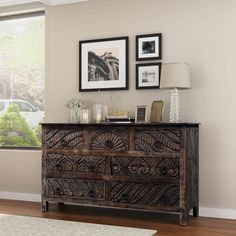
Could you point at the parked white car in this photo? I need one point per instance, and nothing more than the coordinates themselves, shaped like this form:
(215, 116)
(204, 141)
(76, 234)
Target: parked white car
(32, 115)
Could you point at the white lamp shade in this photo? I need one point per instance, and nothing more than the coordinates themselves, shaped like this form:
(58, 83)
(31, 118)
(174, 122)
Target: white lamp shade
(175, 75)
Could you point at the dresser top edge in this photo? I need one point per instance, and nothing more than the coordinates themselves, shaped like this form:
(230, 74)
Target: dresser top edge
(121, 124)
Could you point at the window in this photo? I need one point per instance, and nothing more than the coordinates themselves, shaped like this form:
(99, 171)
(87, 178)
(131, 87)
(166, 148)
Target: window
(22, 80)
(1, 106)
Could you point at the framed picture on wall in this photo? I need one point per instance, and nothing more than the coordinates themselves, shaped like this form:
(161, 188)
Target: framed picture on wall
(141, 113)
(148, 75)
(103, 64)
(149, 47)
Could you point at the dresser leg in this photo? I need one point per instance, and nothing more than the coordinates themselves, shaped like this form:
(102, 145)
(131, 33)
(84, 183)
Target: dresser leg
(196, 211)
(44, 206)
(184, 217)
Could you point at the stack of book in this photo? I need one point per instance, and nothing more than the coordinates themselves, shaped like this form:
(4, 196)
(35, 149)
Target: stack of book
(119, 119)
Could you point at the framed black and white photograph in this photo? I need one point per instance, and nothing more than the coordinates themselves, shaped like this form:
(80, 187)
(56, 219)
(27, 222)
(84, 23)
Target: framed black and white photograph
(141, 113)
(149, 47)
(148, 76)
(103, 64)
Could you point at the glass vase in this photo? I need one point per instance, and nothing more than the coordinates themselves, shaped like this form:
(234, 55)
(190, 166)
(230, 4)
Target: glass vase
(75, 115)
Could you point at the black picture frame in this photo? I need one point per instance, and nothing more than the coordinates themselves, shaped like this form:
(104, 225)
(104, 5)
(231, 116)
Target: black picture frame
(149, 47)
(104, 64)
(148, 75)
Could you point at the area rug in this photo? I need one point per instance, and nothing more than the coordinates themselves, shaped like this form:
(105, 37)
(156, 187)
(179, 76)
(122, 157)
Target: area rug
(11, 225)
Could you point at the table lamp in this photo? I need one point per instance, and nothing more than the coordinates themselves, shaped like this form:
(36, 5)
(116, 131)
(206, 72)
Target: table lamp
(175, 76)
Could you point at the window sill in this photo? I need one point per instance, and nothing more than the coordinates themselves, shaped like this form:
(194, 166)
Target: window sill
(23, 149)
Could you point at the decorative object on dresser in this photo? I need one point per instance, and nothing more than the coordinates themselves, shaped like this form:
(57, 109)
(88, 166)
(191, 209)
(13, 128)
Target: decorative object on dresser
(141, 113)
(75, 105)
(103, 64)
(175, 76)
(138, 166)
(148, 75)
(149, 47)
(157, 111)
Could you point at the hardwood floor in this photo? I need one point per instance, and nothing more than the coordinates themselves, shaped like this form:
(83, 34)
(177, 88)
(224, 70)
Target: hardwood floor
(164, 224)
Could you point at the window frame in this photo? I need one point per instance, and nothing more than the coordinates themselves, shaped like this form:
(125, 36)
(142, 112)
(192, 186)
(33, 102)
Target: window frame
(14, 17)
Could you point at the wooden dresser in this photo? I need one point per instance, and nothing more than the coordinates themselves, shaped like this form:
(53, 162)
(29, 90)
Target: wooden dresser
(147, 166)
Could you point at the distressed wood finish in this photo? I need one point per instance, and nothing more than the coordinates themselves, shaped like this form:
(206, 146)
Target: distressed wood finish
(145, 167)
(76, 188)
(59, 163)
(137, 166)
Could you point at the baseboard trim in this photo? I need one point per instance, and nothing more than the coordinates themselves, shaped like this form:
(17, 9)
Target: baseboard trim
(217, 213)
(203, 211)
(20, 196)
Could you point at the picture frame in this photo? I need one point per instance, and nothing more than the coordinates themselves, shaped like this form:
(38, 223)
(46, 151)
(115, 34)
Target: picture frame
(149, 47)
(141, 114)
(157, 111)
(103, 64)
(148, 75)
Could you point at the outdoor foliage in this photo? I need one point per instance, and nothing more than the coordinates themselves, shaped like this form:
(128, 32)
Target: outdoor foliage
(14, 130)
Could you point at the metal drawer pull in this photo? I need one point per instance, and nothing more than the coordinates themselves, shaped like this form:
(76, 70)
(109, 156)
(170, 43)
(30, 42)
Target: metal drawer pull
(109, 144)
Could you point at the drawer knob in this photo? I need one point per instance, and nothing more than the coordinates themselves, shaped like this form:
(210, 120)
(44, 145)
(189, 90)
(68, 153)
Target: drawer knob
(91, 194)
(125, 197)
(156, 145)
(59, 167)
(163, 170)
(64, 143)
(58, 191)
(91, 168)
(109, 144)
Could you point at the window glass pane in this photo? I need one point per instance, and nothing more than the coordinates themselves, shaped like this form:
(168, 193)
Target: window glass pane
(22, 81)
(1, 106)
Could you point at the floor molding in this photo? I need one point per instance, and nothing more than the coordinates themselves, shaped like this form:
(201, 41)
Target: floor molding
(203, 211)
(217, 213)
(20, 196)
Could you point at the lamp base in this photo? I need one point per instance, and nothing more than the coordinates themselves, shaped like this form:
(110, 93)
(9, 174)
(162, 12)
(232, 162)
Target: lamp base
(174, 106)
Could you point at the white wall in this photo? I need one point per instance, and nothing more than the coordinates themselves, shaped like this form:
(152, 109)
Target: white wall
(200, 32)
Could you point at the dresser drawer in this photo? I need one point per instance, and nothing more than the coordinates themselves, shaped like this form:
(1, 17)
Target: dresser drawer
(145, 167)
(75, 188)
(157, 140)
(66, 164)
(145, 194)
(108, 139)
(64, 138)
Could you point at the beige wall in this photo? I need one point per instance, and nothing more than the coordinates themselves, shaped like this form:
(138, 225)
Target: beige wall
(20, 171)
(200, 32)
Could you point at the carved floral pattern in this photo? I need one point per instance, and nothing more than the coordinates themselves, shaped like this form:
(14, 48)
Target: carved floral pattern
(86, 189)
(64, 139)
(157, 140)
(141, 166)
(108, 140)
(145, 194)
(58, 163)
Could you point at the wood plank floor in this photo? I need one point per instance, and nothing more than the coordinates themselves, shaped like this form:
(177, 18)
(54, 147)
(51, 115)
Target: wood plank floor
(164, 224)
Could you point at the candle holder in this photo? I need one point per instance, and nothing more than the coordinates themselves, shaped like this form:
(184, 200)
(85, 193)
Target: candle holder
(85, 116)
(97, 113)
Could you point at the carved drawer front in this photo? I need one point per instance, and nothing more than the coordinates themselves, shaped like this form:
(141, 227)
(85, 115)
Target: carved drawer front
(59, 163)
(64, 139)
(145, 167)
(157, 140)
(75, 188)
(108, 139)
(145, 194)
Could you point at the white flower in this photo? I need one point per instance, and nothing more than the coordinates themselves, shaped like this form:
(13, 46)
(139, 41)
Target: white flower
(75, 102)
